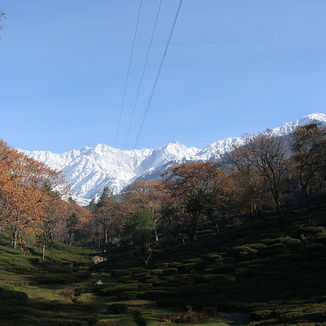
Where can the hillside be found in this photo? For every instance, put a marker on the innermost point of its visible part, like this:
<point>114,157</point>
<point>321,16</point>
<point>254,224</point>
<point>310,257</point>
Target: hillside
<point>273,270</point>
<point>89,170</point>
<point>258,271</point>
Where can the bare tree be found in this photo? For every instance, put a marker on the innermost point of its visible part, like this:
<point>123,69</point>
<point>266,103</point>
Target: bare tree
<point>308,144</point>
<point>250,186</point>
<point>267,153</point>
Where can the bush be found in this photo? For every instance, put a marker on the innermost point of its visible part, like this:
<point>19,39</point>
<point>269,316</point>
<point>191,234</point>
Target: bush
<point>125,279</point>
<point>187,268</point>
<point>120,272</point>
<point>170,271</point>
<point>263,315</point>
<point>83,275</point>
<point>154,295</point>
<point>242,251</point>
<point>210,312</point>
<point>79,291</point>
<point>156,272</point>
<point>168,302</point>
<point>117,289</point>
<point>117,309</point>
<point>128,295</point>
<point>206,278</point>
<point>310,233</point>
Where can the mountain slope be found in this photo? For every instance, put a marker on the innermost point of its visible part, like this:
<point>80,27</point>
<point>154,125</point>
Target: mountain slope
<point>89,170</point>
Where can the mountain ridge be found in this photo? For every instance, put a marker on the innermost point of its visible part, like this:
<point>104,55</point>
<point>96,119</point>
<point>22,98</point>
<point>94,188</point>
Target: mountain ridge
<point>90,169</point>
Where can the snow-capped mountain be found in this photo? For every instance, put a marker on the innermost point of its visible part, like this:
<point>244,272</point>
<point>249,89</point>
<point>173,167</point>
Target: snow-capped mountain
<point>89,170</point>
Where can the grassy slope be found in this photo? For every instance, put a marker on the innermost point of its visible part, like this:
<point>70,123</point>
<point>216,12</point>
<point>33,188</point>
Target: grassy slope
<point>273,271</point>
<point>31,288</point>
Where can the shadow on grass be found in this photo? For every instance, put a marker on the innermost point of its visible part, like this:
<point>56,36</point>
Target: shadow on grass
<point>138,318</point>
<point>236,318</point>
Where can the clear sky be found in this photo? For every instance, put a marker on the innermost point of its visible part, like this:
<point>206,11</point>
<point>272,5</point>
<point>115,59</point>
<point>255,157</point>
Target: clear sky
<point>232,67</point>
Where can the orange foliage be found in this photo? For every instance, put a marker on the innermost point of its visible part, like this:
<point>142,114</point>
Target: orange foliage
<point>27,194</point>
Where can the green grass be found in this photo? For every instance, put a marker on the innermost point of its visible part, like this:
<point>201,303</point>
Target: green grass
<point>30,286</point>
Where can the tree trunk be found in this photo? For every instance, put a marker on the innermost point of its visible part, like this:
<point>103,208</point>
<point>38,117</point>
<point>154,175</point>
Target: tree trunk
<point>15,238</point>
<point>156,235</point>
<point>307,205</point>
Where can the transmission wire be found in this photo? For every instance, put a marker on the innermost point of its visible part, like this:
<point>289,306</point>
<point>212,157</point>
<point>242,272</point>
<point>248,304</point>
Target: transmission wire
<point>127,78</point>
<point>142,76</point>
<point>157,76</point>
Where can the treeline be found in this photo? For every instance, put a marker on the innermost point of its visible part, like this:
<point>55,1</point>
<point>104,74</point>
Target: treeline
<point>263,171</point>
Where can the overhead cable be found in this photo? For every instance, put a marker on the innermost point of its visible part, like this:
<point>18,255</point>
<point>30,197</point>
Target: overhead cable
<point>144,68</point>
<point>127,78</point>
<point>157,76</point>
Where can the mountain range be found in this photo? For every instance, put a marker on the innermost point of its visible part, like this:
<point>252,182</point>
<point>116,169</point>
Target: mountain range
<point>89,170</point>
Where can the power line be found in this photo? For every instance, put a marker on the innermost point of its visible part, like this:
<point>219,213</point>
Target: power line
<point>142,76</point>
<point>157,75</point>
<point>127,78</point>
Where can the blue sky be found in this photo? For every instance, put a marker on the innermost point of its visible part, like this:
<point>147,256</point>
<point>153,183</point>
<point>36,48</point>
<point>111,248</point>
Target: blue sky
<point>232,67</point>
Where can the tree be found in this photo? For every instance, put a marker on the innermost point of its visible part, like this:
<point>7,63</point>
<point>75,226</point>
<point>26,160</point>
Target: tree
<point>195,191</point>
<point>266,153</point>
<point>54,210</point>
<point>147,194</point>
<point>250,190</point>
<point>24,184</point>
<point>139,232</point>
<point>308,144</point>
<point>110,217</point>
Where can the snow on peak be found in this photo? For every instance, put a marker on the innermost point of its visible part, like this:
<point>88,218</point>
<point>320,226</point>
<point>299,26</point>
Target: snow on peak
<point>91,169</point>
<point>288,127</point>
<point>218,148</point>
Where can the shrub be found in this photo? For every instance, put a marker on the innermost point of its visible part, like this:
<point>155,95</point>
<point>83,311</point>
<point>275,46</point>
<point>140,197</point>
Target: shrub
<point>83,275</point>
<point>187,268</point>
<point>212,258</point>
<point>168,302</point>
<point>121,272</point>
<point>117,289</point>
<point>262,315</point>
<point>79,291</point>
<point>243,251</point>
<point>175,281</point>
<point>128,295</point>
<point>156,272</point>
<point>137,270</point>
<point>210,312</point>
<point>117,309</point>
<point>154,294</point>
<point>170,271</point>
<point>125,279</point>
<point>199,279</point>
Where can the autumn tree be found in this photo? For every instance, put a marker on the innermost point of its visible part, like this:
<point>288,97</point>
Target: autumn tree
<point>24,184</point>
<point>78,223</point>
<point>308,144</point>
<point>195,191</point>
<point>53,223</point>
